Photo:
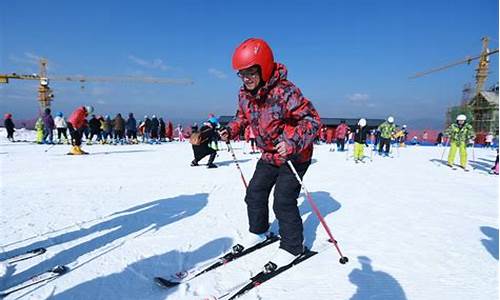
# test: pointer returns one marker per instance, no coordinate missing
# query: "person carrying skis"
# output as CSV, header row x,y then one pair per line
x,y
386,132
360,140
76,123
204,142
285,124
9,126
459,134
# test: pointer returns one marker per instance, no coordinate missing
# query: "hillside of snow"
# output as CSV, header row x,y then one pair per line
x,y
411,227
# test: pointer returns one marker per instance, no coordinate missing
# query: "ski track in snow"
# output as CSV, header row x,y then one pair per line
x,y
411,227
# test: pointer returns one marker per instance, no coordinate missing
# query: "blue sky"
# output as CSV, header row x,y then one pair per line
x,y
350,58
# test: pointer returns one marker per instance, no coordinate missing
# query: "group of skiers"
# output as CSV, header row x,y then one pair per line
x,y
104,128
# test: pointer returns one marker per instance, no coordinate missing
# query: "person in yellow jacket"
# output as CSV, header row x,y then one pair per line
x,y
459,134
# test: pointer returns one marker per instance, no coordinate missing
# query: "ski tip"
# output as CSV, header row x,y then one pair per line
x,y
39,250
60,269
165,283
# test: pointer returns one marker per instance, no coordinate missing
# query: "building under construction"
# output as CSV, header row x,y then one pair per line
x,y
482,109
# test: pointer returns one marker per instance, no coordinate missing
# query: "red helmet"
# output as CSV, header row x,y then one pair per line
x,y
7,116
254,52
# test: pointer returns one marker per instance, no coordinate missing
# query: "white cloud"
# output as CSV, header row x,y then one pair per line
x,y
358,97
31,59
156,63
217,73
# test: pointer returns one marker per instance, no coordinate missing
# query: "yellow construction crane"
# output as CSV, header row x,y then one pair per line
x,y
45,93
482,68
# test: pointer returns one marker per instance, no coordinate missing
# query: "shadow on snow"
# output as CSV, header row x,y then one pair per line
x,y
326,205
374,285
491,243
127,224
136,280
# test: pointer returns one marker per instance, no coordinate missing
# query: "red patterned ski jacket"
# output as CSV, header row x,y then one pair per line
x,y
278,112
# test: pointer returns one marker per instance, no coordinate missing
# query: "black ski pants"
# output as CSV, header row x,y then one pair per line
x,y
385,145
286,192
76,135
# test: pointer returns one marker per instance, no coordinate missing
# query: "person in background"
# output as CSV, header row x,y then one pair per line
x,y
439,139
162,130
155,125
61,127
341,133
39,130
204,142
131,129
9,126
170,132
488,140
48,127
146,129
360,140
107,129
180,133
119,128
76,123
95,129
459,133
194,127
386,132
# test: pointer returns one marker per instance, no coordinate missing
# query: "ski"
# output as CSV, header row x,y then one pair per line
x,y
42,277
184,276
261,277
25,255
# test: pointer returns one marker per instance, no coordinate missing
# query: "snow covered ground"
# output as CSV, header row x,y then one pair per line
x,y
411,227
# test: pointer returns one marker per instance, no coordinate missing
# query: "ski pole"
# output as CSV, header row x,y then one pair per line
x,y
444,148
347,150
49,147
228,143
473,155
343,259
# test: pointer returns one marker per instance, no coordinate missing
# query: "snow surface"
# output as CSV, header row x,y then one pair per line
x,y
412,227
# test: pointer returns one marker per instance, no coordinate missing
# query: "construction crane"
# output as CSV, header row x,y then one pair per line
x,y
46,95
482,68
483,114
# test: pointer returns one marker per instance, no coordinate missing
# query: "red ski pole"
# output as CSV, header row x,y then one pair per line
x,y
228,143
343,259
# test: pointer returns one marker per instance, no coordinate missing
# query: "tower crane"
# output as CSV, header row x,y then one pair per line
x,y
46,95
481,70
